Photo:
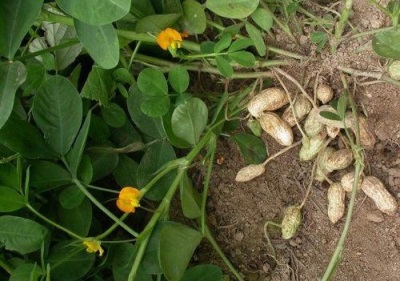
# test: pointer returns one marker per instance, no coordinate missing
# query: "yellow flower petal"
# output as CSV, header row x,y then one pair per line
x,y
169,38
128,199
93,246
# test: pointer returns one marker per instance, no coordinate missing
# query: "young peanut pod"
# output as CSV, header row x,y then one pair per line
x,y
394,70
376,190
324,93
321,172
291,221
274,126
332,131
267,100
336,198
367,137
339,160
348,180
311,146
249,172
312,126
302,106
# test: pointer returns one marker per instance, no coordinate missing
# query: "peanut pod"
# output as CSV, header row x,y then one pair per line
x,y
339,160
347,182
291,221
267,100
312,126
311,146
274,126
324,93
332,131
249,172
321,172
301,106
336,198
376,190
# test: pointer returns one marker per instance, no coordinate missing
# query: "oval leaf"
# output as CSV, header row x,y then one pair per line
x,y
71,197
98,85
21,235
10,200
94,12
194,17
387,44
179,79
263,18
252,148
257,38
190,198
100,41
57,109
78,219
224,66
125,173
244,58
234,9
114,115
189,120
203,272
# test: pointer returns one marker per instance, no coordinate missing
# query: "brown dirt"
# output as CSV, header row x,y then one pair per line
x,y
238,211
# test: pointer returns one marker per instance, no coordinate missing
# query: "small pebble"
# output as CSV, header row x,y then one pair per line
x,y
293,243
375,216
239,236
266,267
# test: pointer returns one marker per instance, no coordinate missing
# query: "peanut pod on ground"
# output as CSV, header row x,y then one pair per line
x,y
339,160
324,93
274,126
267,100
311,146
347,182
291,221
250,172
302,106
321,172
336,200
312,126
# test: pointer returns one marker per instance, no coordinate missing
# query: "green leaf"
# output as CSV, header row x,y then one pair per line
x,y
36,75
17,16
177,245
387,44
45,175
10,200
224,66
233,9
190,198
223,43
178,78
125,135
172,138
194,17
257,38
240,44
189,120
342,106
74,156
203,272
9,176
154,158
320,38
94,12
98,130
244,58
330,116
12,75
69,262
103,164
114,115
26,271
252,148
78,219
56,34
71,197
149,125
156,23
22,137
151,261
125,173
100,41
153,85
263,18
57,109
98,86
21,235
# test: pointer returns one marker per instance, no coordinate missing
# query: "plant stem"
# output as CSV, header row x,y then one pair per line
x,y
371,74
215,245
104,209
9,268
341,24
111,228
56,225
380,8
370,32
66,44
9,158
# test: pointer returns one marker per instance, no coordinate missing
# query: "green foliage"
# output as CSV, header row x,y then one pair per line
x,y
234,9
10,200
252,148
387,44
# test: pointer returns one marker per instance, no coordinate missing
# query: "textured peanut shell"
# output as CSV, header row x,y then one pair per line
x,y
291,222
249,172
339,160
348,180
321,169
324,93
367,137
336,198
376,190
312,126
274,126
267,100
332,131
311,147
301,106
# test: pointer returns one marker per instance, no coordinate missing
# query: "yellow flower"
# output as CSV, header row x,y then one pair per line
x,y
170,38
128,199
93,246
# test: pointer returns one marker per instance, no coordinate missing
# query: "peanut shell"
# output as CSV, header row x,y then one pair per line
x,y
311,147
336,198
249,172
321,169
339,160
291,221
274,126
348,180
267,100
324,93
312,126
332,131
376,190
301,106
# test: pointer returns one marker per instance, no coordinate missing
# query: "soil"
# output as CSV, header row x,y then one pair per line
x,y
238,211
